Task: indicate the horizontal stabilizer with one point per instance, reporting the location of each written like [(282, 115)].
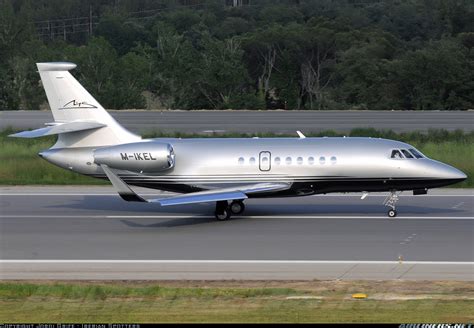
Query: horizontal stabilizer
[(57, 128)]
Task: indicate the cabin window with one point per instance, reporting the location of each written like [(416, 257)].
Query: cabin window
[(407, 153), (396, 154), (277, 160), (288, 160), (241, 160), (311, 160), (299, 160), (333, 160), (322, 160), (252, 161), (415, 153)]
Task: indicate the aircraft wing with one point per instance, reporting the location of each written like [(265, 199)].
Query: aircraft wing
[(200, 197), (214, 195), (219, 194)]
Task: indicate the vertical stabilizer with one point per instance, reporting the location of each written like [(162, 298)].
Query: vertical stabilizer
[(70, 102)]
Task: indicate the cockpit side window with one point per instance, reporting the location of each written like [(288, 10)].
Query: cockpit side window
[(415, 153), (407, 153), (396, 154)]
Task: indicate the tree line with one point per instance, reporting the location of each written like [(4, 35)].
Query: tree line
[(320, 54)]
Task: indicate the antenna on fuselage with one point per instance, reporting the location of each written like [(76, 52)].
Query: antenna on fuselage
[(300, 134)]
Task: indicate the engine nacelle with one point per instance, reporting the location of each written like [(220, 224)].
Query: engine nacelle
[(143, 157)]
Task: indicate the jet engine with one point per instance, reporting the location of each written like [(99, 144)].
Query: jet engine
[(143, 157)]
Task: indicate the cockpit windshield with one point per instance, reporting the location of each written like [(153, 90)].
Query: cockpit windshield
[(405, 153), (416, 153), (396, 154)]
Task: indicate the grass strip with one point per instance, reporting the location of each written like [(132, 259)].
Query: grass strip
[(152, 302)]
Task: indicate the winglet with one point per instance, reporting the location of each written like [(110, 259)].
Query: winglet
[(301, 135), (122, 188)]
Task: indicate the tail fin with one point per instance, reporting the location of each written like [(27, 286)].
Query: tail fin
[(70, 102)]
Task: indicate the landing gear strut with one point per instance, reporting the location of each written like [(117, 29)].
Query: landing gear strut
[(390, 201), (222, 211)]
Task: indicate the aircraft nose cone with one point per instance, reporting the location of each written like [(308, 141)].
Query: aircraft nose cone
[(451, 173), (461, 176), (441, 175)]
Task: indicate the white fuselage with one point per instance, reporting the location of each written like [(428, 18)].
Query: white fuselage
[(311, 165)]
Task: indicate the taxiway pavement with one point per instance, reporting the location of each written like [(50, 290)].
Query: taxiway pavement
[(90, 233), (244, 121)]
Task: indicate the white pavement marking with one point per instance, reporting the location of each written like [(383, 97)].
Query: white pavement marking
[(458, 205), (308, 217), (171, 216), (234, 262)]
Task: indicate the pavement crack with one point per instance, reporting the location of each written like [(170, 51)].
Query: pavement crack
[(408, 270), (347, 271)]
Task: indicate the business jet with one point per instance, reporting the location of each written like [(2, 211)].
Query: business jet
[(224, 171)]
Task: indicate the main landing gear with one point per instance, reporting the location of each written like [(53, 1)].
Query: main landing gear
[(224, 210), (390, 201)]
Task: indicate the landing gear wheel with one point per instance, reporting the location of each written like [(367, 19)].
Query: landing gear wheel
[(222, 211), (237, 207), (223, 215), (390, 202), (392, 213)]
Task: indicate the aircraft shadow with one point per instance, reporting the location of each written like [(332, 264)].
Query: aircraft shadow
[(117, 205), (178, 222), (108, 206), (204, 213)]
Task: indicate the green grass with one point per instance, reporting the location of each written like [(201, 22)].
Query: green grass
[(16, 291), (20, 165), (124, 302)]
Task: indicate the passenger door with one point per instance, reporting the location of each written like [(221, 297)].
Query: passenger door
[(265, 161)]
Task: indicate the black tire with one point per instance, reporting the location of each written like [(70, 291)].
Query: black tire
[(392, 213), (237, 207), (222, 215)]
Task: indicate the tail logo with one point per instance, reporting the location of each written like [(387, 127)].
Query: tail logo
[(74, 104)]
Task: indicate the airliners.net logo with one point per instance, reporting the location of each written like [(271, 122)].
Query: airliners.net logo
[(437, 325)]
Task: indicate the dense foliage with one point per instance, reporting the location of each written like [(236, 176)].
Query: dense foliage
[(307, 54)]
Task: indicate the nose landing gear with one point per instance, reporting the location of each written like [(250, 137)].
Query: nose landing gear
[(392, 213), (390, 201), (224, 210)]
